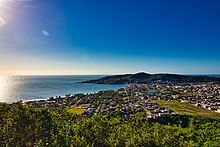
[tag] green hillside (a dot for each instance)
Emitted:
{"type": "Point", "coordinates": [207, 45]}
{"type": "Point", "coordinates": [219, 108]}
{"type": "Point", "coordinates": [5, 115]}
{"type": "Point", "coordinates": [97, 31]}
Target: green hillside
{"type": "Point", "coordinates": [148, 78]}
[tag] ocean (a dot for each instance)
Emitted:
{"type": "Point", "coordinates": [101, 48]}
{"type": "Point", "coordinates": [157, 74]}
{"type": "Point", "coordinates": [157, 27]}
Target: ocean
{"type": "Point", "coordinates": [209, 75]}
{"type": "Point", "coordinates": [16, 88]}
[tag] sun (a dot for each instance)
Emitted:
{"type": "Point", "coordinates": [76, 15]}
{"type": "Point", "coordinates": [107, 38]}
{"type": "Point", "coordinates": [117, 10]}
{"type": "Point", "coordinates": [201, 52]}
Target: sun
{"type": "Point", "coordinates": [3, 11]}
{"type": "Point", "coordinates": [4, 5]}
{"type": "Point", "coordinates": [2, 2]}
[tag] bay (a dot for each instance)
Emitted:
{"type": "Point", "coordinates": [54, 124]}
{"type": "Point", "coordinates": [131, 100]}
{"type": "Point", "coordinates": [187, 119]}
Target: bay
{"type": "Point", "coordinates": [16, 88]}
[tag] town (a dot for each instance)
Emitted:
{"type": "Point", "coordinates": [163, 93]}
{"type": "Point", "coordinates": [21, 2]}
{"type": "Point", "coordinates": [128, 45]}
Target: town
{"type": "Point", "coordinates": [136, 98]}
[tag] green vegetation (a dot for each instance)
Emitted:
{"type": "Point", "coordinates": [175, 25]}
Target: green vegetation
{"type": "Point", "coordinates": [108, 94]}
{"type": "Point", "coordinates": [22, 126]}
{"type": "Point", "coordinates": [85, 105]}
{"type": "Point", "coordinates": [189, 93]}
{"type": "Point", "coordinates": [77, 110]}
{"type": "Point", "coordinates": [188, 109]}
{"type": "Point", "coordinates": [148, 78]}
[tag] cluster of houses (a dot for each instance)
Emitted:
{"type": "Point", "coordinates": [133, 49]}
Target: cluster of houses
{"type": "Point", "coordinates": [202, 95]}
{"type": "Point", "coordinates": [126, 105]}
{"type": "Point", "coordinates": [136, 98]}
{"type": "Point", "coordinates": [53, 102]}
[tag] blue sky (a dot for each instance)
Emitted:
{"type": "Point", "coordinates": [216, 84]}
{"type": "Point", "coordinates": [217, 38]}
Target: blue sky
{"type": "Point", "coordinates": [109, 37]}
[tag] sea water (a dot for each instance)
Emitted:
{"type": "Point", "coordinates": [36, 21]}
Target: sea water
{"type": "Point", "coordinates": [16, 88]}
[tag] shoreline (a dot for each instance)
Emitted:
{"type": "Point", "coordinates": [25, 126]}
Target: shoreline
{"type": "Point", "coordinates": [55, 97]}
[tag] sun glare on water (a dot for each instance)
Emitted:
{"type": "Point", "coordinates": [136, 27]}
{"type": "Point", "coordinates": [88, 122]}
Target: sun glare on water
{"type": "Point", "coordinates": [2, 87]}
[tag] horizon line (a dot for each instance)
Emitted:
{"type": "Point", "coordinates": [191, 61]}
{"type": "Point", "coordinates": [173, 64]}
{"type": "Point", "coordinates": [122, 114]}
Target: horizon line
{"type": "Point", "coordinates": [106, 74]}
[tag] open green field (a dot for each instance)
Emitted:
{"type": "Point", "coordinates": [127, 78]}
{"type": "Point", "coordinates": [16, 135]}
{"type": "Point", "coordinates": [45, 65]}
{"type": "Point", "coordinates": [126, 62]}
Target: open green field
{"type": "Point", "coordinates": [77, 110]}
{"type": "Point", "coordinates": [189, 93]}
{"type": "Point", "coordinates": [189, 109]}
{"type": "Point", "coordinates": [85, 105]}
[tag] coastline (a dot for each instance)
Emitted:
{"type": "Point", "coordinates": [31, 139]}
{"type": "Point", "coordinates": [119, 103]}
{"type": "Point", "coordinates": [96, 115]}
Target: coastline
{"type": "Point", "coordinates": [16, 88]}
{"type": "Point", "coordinates": [81, 87]}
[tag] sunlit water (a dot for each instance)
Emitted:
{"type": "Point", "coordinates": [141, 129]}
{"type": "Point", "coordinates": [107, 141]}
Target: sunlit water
{"type": "Point", "coordinates": [15, 88]}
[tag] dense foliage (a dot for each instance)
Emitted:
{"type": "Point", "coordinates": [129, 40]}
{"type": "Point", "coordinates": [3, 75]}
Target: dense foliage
{"type": "Point", "coordinates": [22, 126]}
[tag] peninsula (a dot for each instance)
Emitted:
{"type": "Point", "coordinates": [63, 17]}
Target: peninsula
{"type": "Point", "coordinates": [144, 78]}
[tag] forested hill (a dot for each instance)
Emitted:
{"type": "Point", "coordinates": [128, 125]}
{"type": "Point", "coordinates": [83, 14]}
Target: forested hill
{"type": "Point", "coordinates": [147, 78]}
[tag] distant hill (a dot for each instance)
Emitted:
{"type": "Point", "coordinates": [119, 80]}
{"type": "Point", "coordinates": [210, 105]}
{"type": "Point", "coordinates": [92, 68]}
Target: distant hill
{"type": "Point", "coordinates": [148, 78]}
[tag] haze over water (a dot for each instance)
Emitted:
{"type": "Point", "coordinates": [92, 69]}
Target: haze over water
{"type": "Point", "coordinates": [15, 88]}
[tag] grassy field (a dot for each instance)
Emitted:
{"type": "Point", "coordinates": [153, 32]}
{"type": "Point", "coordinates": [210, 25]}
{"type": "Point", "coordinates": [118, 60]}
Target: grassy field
{"type": "Point", "coordinates": [77, 110]}
{"type": "Point", "coordinates": [189, 93]}
{"type": "Point", "coordinates": [85, 105]}
{"type": "Point", "coordinates": [189, 109]}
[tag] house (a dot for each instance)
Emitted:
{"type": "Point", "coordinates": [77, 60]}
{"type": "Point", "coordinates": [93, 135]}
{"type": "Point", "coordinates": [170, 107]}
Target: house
{"type": "Point", "coordinates": [198, 105]}
{"type": "Point", "coordinates": [218, 110]}
{"type": "Point", "coordinates": [212, 108]}
{"type": "Point", "coordinates": [139, 110]}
